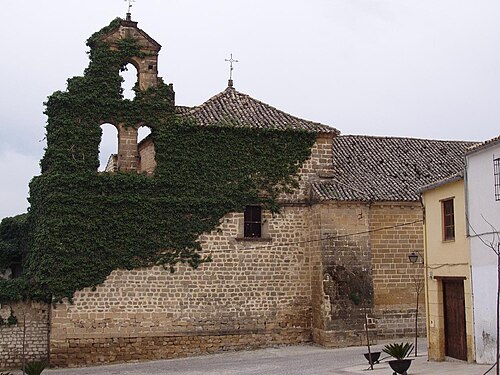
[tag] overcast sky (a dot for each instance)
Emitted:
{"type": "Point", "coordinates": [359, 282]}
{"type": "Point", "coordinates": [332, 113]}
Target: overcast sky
{"type": "Point", "coordinates": [411, 68]}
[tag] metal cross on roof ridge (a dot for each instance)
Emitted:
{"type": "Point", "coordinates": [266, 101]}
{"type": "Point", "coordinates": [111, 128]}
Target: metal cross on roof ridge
{"type": "Point", "coordinates": [129, 5]}
{"type": "Point", "coordinates": [231, 68]}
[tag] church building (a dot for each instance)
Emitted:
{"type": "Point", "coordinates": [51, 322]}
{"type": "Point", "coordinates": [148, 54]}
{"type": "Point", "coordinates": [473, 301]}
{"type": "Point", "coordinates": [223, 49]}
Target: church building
{"type": "Point", "coordinates": [336, 250]}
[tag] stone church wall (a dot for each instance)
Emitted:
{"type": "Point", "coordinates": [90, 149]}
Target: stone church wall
{"type": "Point", "coordinates": [253, 294]}
{"type": "Point", "coordinates": [345, 271]}
{"type": "Point", "coordinates": [394, 277]}
{"type": "Point", "coordinates": [32, 328]}
{"type": "Point", "coordinates": [293, 285]}
{"type": "Point", "coordinates": [317, 295]}
{"type": "Point", "coordinates": [380, 254]}
{"type": "Point", "coordinates": [317, 166]}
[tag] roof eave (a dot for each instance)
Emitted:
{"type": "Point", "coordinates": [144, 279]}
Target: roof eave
{"type": "Point", "coordinates": [434, 185]}
{"type": "Point", "coordinates": [483, 146]}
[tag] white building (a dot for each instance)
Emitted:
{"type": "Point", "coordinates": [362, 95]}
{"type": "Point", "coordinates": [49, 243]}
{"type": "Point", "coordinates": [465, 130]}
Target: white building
{"type": "Point", "coordinates": [482, 179]}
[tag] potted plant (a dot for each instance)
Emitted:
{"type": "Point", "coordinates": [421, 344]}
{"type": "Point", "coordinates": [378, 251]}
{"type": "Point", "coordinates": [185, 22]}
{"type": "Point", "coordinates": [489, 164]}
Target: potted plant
{"type": "Point", "coordinates": [34, 368]}
{"type": "Point", "coordinates": [399, 351]}
{"type": "Point", "coordinates": [372, 357]}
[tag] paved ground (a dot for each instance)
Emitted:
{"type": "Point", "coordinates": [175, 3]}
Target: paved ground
{"type": "Point", "coordinates": [293, 360]}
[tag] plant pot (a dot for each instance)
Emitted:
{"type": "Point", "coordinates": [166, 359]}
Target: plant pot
{"type": "Point", "coordinates": [375, 357]}
{"type": "Point", "coordinates": [400, 366]}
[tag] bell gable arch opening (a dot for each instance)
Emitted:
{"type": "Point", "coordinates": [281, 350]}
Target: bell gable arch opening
{"type": "Point", "coordinates": [108, 148]}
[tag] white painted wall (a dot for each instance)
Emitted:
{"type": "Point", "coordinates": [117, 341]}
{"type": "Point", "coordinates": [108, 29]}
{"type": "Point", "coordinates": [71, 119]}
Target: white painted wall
{"type": "Point", "coordinates": [482, 207]}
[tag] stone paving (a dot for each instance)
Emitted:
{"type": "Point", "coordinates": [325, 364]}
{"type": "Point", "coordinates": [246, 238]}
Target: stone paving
{"type": "Point", "coordinates": [291, 360]}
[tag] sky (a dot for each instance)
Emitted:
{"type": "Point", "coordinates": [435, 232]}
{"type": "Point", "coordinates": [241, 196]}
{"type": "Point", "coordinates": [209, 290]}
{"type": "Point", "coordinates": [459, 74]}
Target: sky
{"type": "Point", "coordinates": [405, 68]}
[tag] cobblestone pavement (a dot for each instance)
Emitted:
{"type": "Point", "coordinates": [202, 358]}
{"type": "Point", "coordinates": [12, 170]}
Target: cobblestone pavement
{"type": "Point", "coordinates": [292, 360]}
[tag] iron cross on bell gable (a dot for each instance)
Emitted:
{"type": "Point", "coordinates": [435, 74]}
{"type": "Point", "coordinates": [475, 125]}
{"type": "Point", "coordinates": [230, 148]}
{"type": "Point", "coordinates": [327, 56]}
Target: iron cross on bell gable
{"type": "Point", "coordinates": [231, 68]}
{"type": "Point", "coordinates": [129, 5]}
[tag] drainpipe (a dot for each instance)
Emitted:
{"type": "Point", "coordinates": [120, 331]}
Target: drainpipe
{"type": "Point", "coordinates": [426, 278]}
{"type": "Point", "coordinates": [471, 269]}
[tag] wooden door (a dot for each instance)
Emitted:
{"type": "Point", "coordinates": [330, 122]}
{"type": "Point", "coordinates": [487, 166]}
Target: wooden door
{"type": "Point", "coordinates": [454, 319]}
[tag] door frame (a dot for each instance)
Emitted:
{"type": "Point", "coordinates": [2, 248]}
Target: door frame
{"type": "Point", "coordinates": [459, 281]}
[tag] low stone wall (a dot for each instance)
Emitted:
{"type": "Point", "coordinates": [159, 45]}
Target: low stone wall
{"type": "Point", "coordinates": [92, 351]}
{"type": "Point", "coordinates": [34, 318]}
{"type": "Point", "coordinates": [342, 339]}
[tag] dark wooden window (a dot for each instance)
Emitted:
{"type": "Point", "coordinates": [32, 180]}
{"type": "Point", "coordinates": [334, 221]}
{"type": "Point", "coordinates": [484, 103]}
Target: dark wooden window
{"type": "Point", "coordinates": [253, 221]}
{"type": "Point", "coordinates": [496, 168]}
{"type": "Point", "coordinates": [448, 220]}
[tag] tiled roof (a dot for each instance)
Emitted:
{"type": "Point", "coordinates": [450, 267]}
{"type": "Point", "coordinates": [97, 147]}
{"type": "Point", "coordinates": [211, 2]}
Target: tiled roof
{"type": "Point", "coordinates": [180, 109]}
{"type": "Point", "coordinates": [483, 145]}
{"type": "Point", "coordinates": [338, 191]}
{"type": "Point", "coordinates": [232, 108]}
{"type": "Point", "coordinates": [388, 168]}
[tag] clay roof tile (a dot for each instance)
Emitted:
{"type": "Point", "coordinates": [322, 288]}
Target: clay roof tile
{"type": "Point", "coordinates": [235, 109]}
{"type": "Point", "coordinates": [389, 168]}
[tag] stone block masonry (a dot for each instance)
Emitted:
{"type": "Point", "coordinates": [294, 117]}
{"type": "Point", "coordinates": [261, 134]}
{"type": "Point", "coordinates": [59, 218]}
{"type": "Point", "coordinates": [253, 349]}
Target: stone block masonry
{"type": "Point", "coordinates": [394, 277]}
{"type": "Point", "coordinates": [31, 331]}
{"type": "Point", "coordinates": [392, 272]}
{"type": "Point", "coordinates": [285, 288]}
{"type": "Point", "coordinates": [372, 240]}
{"type": "Point", "coordinates": [346, 274]}
{"type": "Point", "coordinates": [398, 323]}
{"type": "Point", "coordinates": [293, 285]}
{"type": "Point", "coordinates": [93, 351]}
{"type": "Point", "coordinates": [253, 294]}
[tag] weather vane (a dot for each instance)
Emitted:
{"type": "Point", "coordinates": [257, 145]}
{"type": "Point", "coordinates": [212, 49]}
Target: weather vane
{"type": "Point", "coordinates": [231, 68]}
{"type": "Point", "coordinates": [129, 5]}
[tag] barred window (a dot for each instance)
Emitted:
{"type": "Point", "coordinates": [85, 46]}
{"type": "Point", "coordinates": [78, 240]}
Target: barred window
{"type": "Point", "coordinates": [496, 169]}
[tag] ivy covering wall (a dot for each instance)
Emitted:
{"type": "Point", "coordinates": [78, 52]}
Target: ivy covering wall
{"type": "Point", "coordinates": [82, 224]}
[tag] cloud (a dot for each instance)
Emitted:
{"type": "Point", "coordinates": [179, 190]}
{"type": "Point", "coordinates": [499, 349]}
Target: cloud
{"type": "Point", "coordinates": [17, 170]}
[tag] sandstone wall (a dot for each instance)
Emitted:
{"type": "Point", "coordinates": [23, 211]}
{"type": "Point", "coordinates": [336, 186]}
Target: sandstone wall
{"type": "Point", "coordinates": [147, 161]}
{"type": "Point", "coordinates": [34, 333]}
{"type": "Point", "coordinates": [375, 248]}
{"type": "Point", "coordinates": [346, 273]}
{"type": "Point", "coordinates": [394, 277]}
{"type": "Point", "coordinates": [316, 271]}
{"type": "Point", "coordinates": [253, 294]}
{"type": "Point", "coordinates": [128, 154]}
{"type": "Point", "coordinates": [307, 278]}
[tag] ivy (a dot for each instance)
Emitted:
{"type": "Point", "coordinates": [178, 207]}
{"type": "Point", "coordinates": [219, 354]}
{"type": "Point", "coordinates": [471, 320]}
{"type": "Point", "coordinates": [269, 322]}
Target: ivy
{"type": "Point", "coordinates": [12, 319]}
{"type": "Point", "coordinates": [13, 240]}
{"type": "Point", "coordinates": [82, 224]}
